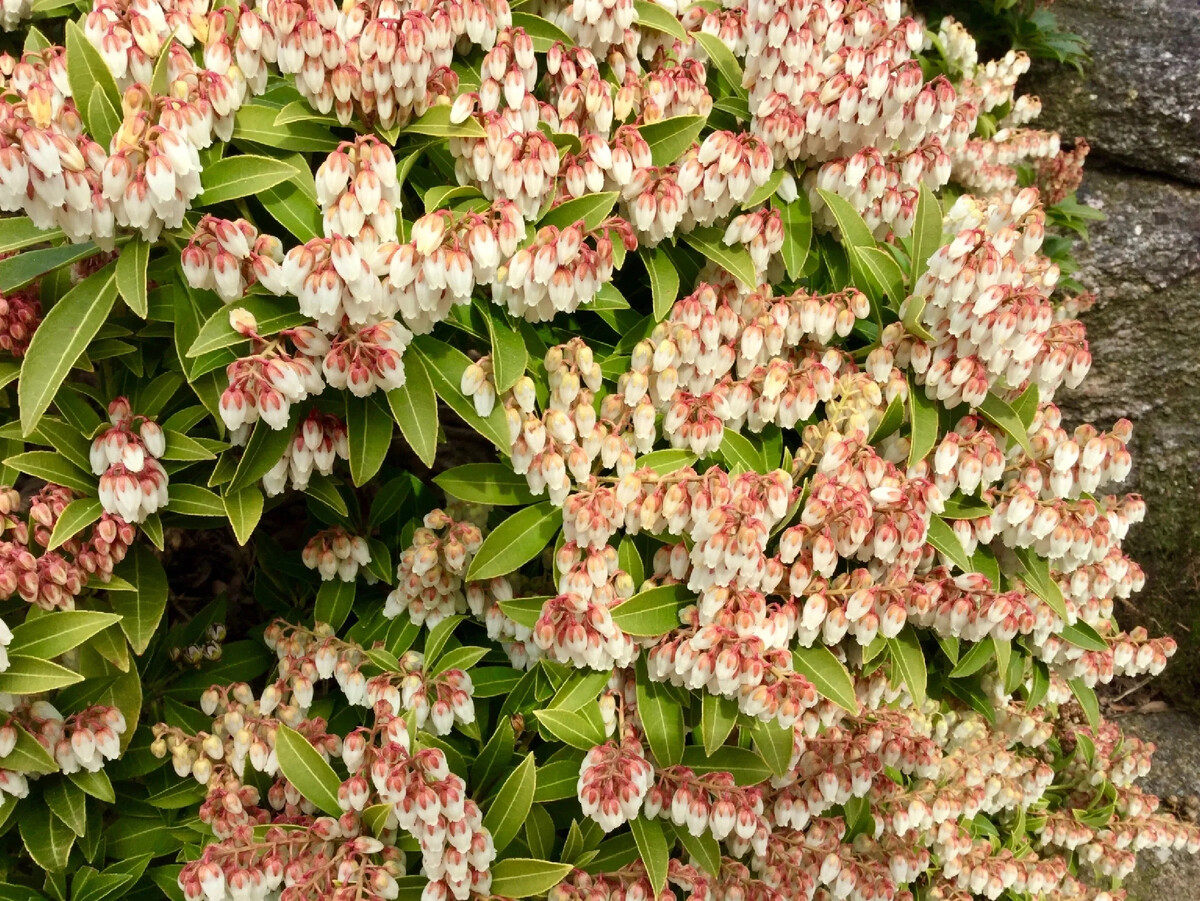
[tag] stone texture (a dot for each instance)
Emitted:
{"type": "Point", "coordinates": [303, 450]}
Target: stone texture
{"type": "Point", "coordinates": [1139, 107]}
{"type": "Point", "coordinates": [1138, 102]}
{"type": "Point", "coordinates": [1175, 771]}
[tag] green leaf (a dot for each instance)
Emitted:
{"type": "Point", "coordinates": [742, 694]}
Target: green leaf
{"type": "Point", "coordinates": [516, 541]}
{"type": "Point", "coordinates": [512, 803]}
{"type": "Point", "coordinates": [59, 341]}
{"type": "Point", "coordinates": [543, 32]}
{"type": "Point", "coordinates": [923, 416]}
{"type": "Point", "coordinates": [87, 73]}
{"type": "Point", "coordinates": [775, 743]}
{"type": "Point", "coordinates": [368, 434]}
{"type": "Point", "coordinates": [883, 273]}
{"type": "Point", "coordinates": [47, 838]}
{"type": "Point", "coordinates": [669, 139]}
{"type": "Point", "coordinates": [68, 803]}
{"type": "Point", "coordinates": [718, 715]}
{"type": "Point", "coordinates": [909, 662]}
{"type": "Point", "coordinates": [524, 611]}
{"type": "Point", "coordinates": [1087, 700]}
{"type": "Point", "coordinates": [652, 612]}
{"type": "Point", "coordinates": [56, 633]}
{"type": "Point", "coordinates": [664, 280]}
{"type": "Point", "coordinates": [414, 407]}
{"type": "Point", "coordinates": [557, 780]}
{"type": "Point", "coordinates": [240, 176]}
{"type": "Point", "coordinates": [1036, 571]}
{"type": "Point", "coordinates": [436, 123]}
{"type": "Point", "coordinates": [724, 60]}
{"type": "Point", "coordinates": [77, 516]}
{"type": "Point", "coordinates": [763, 193]}
{"type": "Point", "coordinates": [926, 233]}
{"type": "Point", "coordinates": [131, 275]}
{"type": "Point", "coordinates": [737, 449]}
{"type": "Point", "coordinates": [509, 356]}
{"type": "Point", "coordinates": [33, 675]}
{"type": "Point", "coordinates": [893, 418]}
{"type": "Point", "coordinates": [96, 784]}
{"type": "Point", "coordinates": [735, 260]}
{"type": "Point", "coordinates": [827, 674]}
{"type": "Point", "coordinates": [183, 447]}
{"type": "Point", "coordinates": [192, 500]}
{"type": "Point", "coordinates": [522, 877]}
{"type": "Point", "coordinates": [746, 767]}
{"type": "Point", "coordinates": [141, 610]}
{"type": "Point", "coordinates": [19, 232]}
{"type": "Point", "coordinates": [575, 728]}
{"type": "Point", "coordinates": [943, 537]}
{"type": "Point", "coordinates": [979, 656]}
{"type": "Point", "coordinates": [335, 599]}
{"type": "Point", "coordinates": [581, 689]}
{"type": "Point", "coordinates": [797, 232]}
{"type": "Point", "coordinates": [304, 767]}
{"type": "Point", "coordinates": [910, 315]}
{"type": "Point", "coordinates": [662, 718]}
{"type": "Point", "coordinates": [998, 413]}
{"type": "Point", "coordinates": [494, 757]}
{"type": "Point", "coordinates": [652, 848]}
{"type": "Point", "coordinates": [438, 636]}
{"type": "Point", "coordinates": [293, 209]}
{"type": "Point", "coordinates": [263, 450]}
{"type": "Point", "coordinates": [28, 755]}
{"type": "Point", "coordinates": [666, 461]}
{"type": "Point", "coordinates": [486, 483]}
{"type": "Point", "coordinates": [630, 560]}
{"type": "Point", "coordinates": [244, 509]}
{"type": "Point", "coordinates": [19, 270]}
{"type": "Point", "coordinates": [272, 314]}
{"type": "Point", "coordinates": [651, 15]}
{"type": "Point", "coordinates": [53, 467]}
{"type": "Point", "coordinates": [854, 229]}
{"type": "Point", "coordinates": [592, 209]}
{"type": "Point", "coordinates": [959, 507]}
{"type": "Point", "coordinates": [445, 366]}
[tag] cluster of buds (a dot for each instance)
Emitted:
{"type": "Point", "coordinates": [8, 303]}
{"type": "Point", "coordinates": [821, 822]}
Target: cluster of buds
{"type": "Point", "coordinates": [335, 281]}
{"type": "Point", "coordinates": [720, 174]}
{"type": "Point", "coordinates": [578, 93]}
{"type": "Point", "coordinates": [335, 552]}
{"type": "Point", "coordinates": [449, 255]}
{"type": "Point", "coordinates": [268, 381]}
{"type": "Point", "coordinates": [319, 441]}
{"type": "Point", "coordinates": [614, 780]}
{"type": "Point", "coordinates": [228, 257]}
{"type": "Point", "coordinates": [712, 803]}
{"type": "Point", "coordinates": [133, 484]}
{"type": "Point", "coordinates": [668, 90]}
{"type": "Point", "coordinates": [560, 270]}
{"type": "Point", "coordinates": [20, 313]}
{"type": "Point", "coordinates": [509, 164]}
{"type": "Point", "coordinates": [359, 193]}
{"type": "Point", "coordinates": [80, 742]}
{"type": "Point", "coordinates": [437, 702]}
{"type": "Point", "coordinates": [429, 575]}
{"type": "Point", "coordinates": [367, 359]}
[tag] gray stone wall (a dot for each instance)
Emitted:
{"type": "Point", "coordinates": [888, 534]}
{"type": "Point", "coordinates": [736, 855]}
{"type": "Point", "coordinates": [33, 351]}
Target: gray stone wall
{"type": "Point", "coordinates": [1138, 105]}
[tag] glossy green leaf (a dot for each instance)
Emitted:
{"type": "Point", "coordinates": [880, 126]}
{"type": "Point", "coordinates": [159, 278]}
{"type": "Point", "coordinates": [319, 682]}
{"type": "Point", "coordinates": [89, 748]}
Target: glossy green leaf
{"type": "Point", "coordinates": [723, 59]}
{"type": "Point", "coordinates": [192, 500]}
{"type": "Point", "coordinates": [654, 611]}
{"type": "Point", "coordinates": [304, 767]}
{"type": "Point", "coordinates": [662, 718]}
{"type": "Point", "coordinates": [335, 599]}
{"type": "Point", "coordinates": [652, 848]}
{"type": "Point", "coordinates": [669, 139]}
{"type": "Point", "coordinates": [509, 356]}
{"type": "Point", "coordinates": [47, 838]}
{"type": "Point", "coordinates": [573, 727]}
{"type": "Point", "coordinates": [926, 233]}
{"type": "Point", "coordinates": [774, 744]}
{"type": "Point", "coordinates": [718, 716]}
{"type": "Point", "coordinates": [33, 675]}
{"type": "Point", "coordinates": [436, 123]}
{"type": "Point", "coordinates": [664, 280]}
{"type": "Point", "coordinates": [414, 407]}
{"type": "Point", "coordinates": [486, 483]}
{"type": "Point", "coordinates": [272, 314]}
{"type": "Point", "coordinates": [943, 537]}
{"type": "Point", "coordinates": [244, 509]}
{"type": "Point", "coordinates": [509, 809]}
{"type": "Point", "coordinates": [58, 632]}
{"type": "Point", "coordinates": [827, 674]}
{"type": "Point", "coordinates": [797, 233]}
{"type": "Point", "coordinates": [87, 73]}
{"type": "Point", "coordinates": [908, 661]}
{"type": "Point", "coordinates": [368, 435]}
{"type": "Point", "coordinates": [131, 275]}
{"type": "Point", "coordinates": [735, 260]}
{"type": "Point", "coordinates": [516, 541]}
{"type": "Point", "coordinates": [591, 209]}
{"type": "Point", "coordinates": [651, 15]}
{"type": "Point", "coordinates": [445, 366]}
{"type": "Point", "coordinates": [1001, 414]}
{"type": "Point", "coordinates": [78, 515]}
{"type": "Point", "coordinates": [141, 610]}
{"type": "Point", "coordinates": [746, 767]}
{"type": "Point", "coordinates": [522, 877]}
{"type": "Point", "coordinates": [240, 176]}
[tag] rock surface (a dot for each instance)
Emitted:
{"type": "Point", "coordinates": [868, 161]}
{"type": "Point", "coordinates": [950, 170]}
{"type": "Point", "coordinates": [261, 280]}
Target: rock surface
{"type": "Point", "coordinates": [1175, 771]}
{"type": "Point", "coordinates": [1139, 98]}
{"type": "Point", "coordinates": [1139, 107]}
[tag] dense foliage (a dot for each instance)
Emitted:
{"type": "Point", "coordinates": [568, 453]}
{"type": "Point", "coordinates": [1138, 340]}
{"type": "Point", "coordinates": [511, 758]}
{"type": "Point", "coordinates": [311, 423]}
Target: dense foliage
{"type": "Point", "coordinates": [593, 450]}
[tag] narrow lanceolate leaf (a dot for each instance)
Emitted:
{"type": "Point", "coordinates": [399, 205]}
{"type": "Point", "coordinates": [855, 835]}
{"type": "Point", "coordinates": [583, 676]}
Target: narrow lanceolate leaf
{"type": "Point", "coordinates": [1036, 572]}
{"type": "Point", "coordinates": [88, 73]}
{"type": "Point", "coordinates": [908, 661]}
{"type": "Point", "coordinates": [651, 612]}
{"type": "Point", "coordinates": [335, 598]}
{"type": "Point", "coordinates": [192, 500]}
{"type": "Point", "coordinates": [240, 176]}
{"type": "Point", "coordinates": [368, 435]}
{"type": "Point", "coordinates": [591, 209]}
{"type": "Point", "coordinates": [17, 232]}
{"type": "Point", "coordinates": [923, 418]}
{"type": "Point", "coordinates": [576, 728]}
{"type": "Point", "coordinates": [263, 450]}
{"type": "Point", "coordinates": [131, 275]}
{"type": "Point", "coordinates": [723, 59]}
{"type": "Point", "coordinates": [652, 848]}
{"type": "Point", "coordinates": [664, 280]}
{"type": "Point", "coordinates": [510, 808]}
{"type": "Point", "coordinates": [270, 313]}
{"type": "Point", "coordinates": [509, 355]}
{"type": "Point", "coordinates": [746, 767]}
{"type": "Point", "coordinates": [854, 229]}
{"type": "Point", "coordinates": [140, 610]}
{"type": "Point", "coordinates": [78, 515]}
{"type": "Point", "coordinates": [522, 877]}
{"type": "Point", "coordinates": [33, 675]}
{"type": "Point", "coordinates": [53, 467]}
{"type": "Point", "coordinates": [1087, 700]}
{"type": "Point", "coordinates": [19, 270]}
{"type": "Point", "coordinates": [662, 718]}
{"type": "Point", "coordinates": [516, 541]}
{"type": "Point", "coordinates": [414, 407]}
{"type": "Point", "coordinates": [47, 838]}
{"type": "Point", "coordinates": [59, 632]}
{"type": "Point", "coordinates": [60, 340]}
{"type": "Point", "coordinates": [995, 410]}
{"type": "Point", "coordinates": [775, 744]}
{"type": "Point", "coordinates": [436, 123]}
{"type": "Point", "coordinates": [735, 260]}
{"type": "Point", "coordinates": [670, 138]}
{"type": "Point", "coordinates": [703, 849]}
{"type": "Point", "coordinates": [244, 509]}
{"type": "Point", "coordinates": [445, 366]}
{"type": "Point", "coordinates": [304, 767]}
{"type": "Point", "coordinates": [943, 537]}
{"type": "Point", "coordinates": [486, 483]}
{"type": "Point", "coordinates": [797, 233]}
{"type": "Point", "coordinates": [718, 716]}
{"type": "Point", "coordinates": [926, 233]}
{"type": "Point", "coordinates": [28, 755]}
{"type": "Point", "coordinates": [651, 15]}
{"type": "Point", "coordinates": [737, 449]}
{"type": "Point", "coordinates": [827, 674]}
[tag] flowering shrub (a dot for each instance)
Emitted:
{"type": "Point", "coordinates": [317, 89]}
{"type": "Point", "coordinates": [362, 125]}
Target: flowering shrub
{"type": "Point", "coordinates": [592, 450]}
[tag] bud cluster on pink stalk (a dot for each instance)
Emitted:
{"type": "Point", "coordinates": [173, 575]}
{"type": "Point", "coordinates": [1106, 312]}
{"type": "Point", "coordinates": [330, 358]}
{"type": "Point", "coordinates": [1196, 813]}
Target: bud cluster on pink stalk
{"type": "Point", "coordinates": [267, 382]}
{"type": "Point", "coordinates": [133, 484]}
{"type": "Point", "coordinates": [228, 257]}
{"type": "Point", "coordinates": [335, 552]}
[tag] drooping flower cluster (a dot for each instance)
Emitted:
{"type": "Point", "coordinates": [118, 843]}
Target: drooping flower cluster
{"type": "Point", "coordinates": [336, 552]}
{"type": "Point", "coordinates": [133, 484]}
{"type": "Point", "coordinates": [319, 441]}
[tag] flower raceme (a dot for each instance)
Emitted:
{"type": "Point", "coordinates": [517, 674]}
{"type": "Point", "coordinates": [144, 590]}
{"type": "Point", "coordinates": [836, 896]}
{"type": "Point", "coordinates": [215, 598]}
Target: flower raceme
{"type": "Point", "coordinates": [808, 586]}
